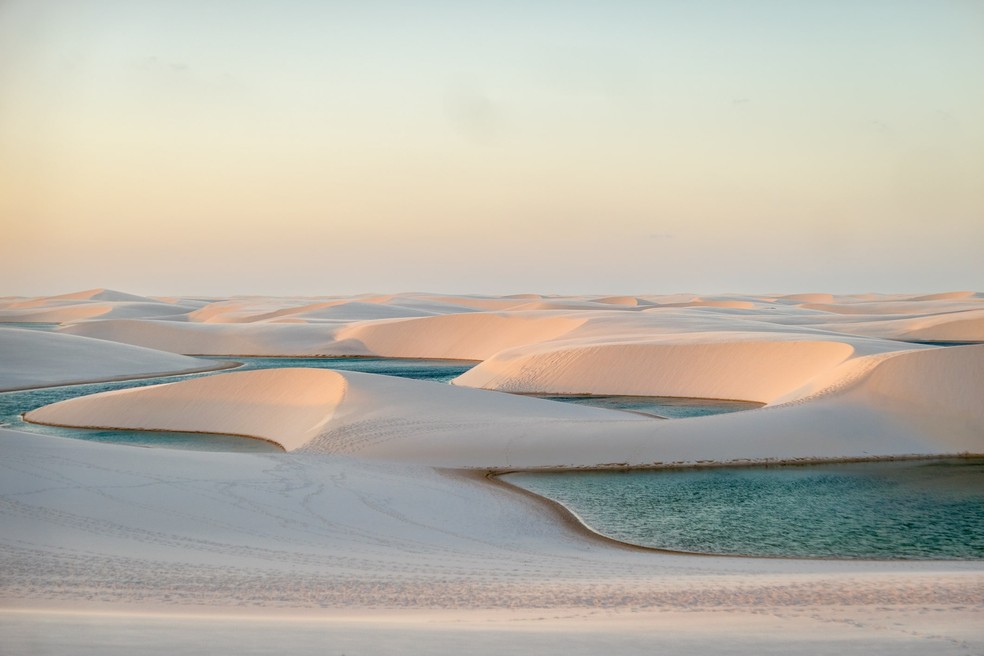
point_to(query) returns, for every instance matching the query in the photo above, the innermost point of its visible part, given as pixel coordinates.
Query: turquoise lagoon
(668, 407)
(917, 509)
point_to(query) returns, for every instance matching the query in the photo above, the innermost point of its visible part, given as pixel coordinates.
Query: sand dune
(879, 405)
(80, 306)
(856, 409)
(361, 311)
(88, 295)
(937, 385)
(618, 300)
(458, 336)
(54, 313)
(30, 358)
(224, 312)
(960, 326)
(286, 406)
(900, 307)
(379, 515)
(807, 298)
(747, 371)
(738, 305)
(469, 336)
(969, 328)
(302, 339)
(944, 296)
(293, 407)
(98, 310)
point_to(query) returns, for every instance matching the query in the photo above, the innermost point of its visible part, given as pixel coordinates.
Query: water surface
(661, 406)
(887, 510)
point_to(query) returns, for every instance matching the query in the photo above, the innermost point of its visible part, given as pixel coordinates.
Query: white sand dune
(944, 296)
(457, 336)
(900, 307)
(339, 411)
(30, 358)
(86, 295)
(960, 326)
(734, 304)
(966, 328)
(866, 408)
(301, 339)
(361, 311)
(807, 298)
(287, 406)
(618, 300)
(747, 371)
(54, 313)
(80, 306)
(378, 519)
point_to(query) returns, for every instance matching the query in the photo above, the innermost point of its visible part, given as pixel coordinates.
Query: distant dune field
(378, 514)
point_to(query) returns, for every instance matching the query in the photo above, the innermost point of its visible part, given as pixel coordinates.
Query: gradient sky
(302, 147)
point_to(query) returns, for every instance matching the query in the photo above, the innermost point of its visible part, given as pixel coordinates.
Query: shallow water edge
(898, 508)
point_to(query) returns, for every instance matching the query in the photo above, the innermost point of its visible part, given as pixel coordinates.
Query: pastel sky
(310, 147)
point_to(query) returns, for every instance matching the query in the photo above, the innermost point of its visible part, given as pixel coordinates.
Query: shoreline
(120, 379)
(150, 430)
(570, 518)
(329, 357)
(742, 463)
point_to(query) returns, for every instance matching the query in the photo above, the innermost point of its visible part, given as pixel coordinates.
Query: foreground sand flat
(377, 521)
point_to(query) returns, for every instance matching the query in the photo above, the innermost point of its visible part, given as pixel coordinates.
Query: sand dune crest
(286, 406)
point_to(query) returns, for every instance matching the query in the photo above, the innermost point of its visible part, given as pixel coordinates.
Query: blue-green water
(661, 406)
(928, 509)
(13, 404)
(439, 371)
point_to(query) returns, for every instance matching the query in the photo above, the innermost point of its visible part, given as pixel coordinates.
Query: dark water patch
(164, 439)
(926, 509)
(660, 406)
(940, 343)
(441, 371)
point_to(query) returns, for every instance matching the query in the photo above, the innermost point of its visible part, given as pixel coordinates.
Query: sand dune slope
(220, 338)
(747, 370)
(474, 336)
(89, 304)
(468, 336)
(30, 358)
(55, 313)
(938, 386)
(958, 326)
(98, 294)
(286, 406)
(323, 410)
(914, 403)
(862, 411)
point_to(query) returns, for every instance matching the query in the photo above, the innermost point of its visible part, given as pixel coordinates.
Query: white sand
(31, 358)
(358, 538)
